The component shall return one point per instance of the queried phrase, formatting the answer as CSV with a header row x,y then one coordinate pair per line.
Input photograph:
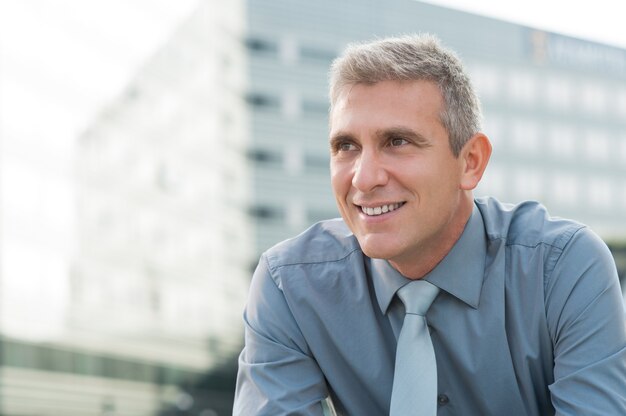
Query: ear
x,y
475,156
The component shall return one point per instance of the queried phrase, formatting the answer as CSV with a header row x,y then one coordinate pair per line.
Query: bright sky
x,y
74,55
597,20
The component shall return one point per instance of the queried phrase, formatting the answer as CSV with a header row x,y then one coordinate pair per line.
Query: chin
x,y
377,251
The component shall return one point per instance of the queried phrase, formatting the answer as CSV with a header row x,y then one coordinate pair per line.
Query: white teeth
x,y
380,210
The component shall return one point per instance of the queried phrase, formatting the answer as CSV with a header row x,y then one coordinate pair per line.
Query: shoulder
x,y
314,271
527,224
564,249
324,242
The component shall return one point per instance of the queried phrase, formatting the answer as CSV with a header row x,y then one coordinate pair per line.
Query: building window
x,y
529,183
620,102
565,188
167,177
522,87
593,98
599,192
293,160
597,146
296,215
558,93
487,80
23,355
258,45
562,141
260,100
289,51
525,135
622,150
263,156
494,181
492,126
264,212
291,104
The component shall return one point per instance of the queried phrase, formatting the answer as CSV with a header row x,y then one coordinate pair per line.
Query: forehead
x,y
386,102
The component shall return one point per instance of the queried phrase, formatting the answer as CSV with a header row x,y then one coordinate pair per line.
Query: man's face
x,y
395,179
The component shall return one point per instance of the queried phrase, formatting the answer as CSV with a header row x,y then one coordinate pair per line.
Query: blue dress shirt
x,y
529,321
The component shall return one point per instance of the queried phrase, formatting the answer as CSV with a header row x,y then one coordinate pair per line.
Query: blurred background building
x,y
126,253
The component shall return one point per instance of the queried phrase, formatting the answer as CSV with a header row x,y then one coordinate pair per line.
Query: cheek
x,y
340,178
440,174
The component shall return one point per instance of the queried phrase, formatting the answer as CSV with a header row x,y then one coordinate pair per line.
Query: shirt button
x,y
442,400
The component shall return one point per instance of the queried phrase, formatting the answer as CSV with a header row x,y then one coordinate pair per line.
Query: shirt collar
x,y
460,273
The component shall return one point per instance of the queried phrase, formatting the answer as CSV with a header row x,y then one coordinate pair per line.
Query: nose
x,y
369,172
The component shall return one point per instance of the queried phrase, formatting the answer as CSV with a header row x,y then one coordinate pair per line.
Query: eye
x,y
345,147
398,141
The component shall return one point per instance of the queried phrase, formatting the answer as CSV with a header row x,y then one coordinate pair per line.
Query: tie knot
x,y
417,296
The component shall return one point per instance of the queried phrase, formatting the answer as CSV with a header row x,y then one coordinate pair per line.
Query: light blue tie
x,y
415,377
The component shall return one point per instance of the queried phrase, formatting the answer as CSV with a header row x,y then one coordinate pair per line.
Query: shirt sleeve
x,y
585,313
277,374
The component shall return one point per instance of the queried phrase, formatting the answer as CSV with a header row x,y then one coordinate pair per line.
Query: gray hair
x,y
413,58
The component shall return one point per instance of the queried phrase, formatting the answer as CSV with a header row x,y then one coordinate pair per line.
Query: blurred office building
x,y
218,150
137,291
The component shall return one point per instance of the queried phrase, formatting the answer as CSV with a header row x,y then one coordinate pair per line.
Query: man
x,y
527,316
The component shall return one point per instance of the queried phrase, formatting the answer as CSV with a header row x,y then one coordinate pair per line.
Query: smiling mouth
x,y
383,209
